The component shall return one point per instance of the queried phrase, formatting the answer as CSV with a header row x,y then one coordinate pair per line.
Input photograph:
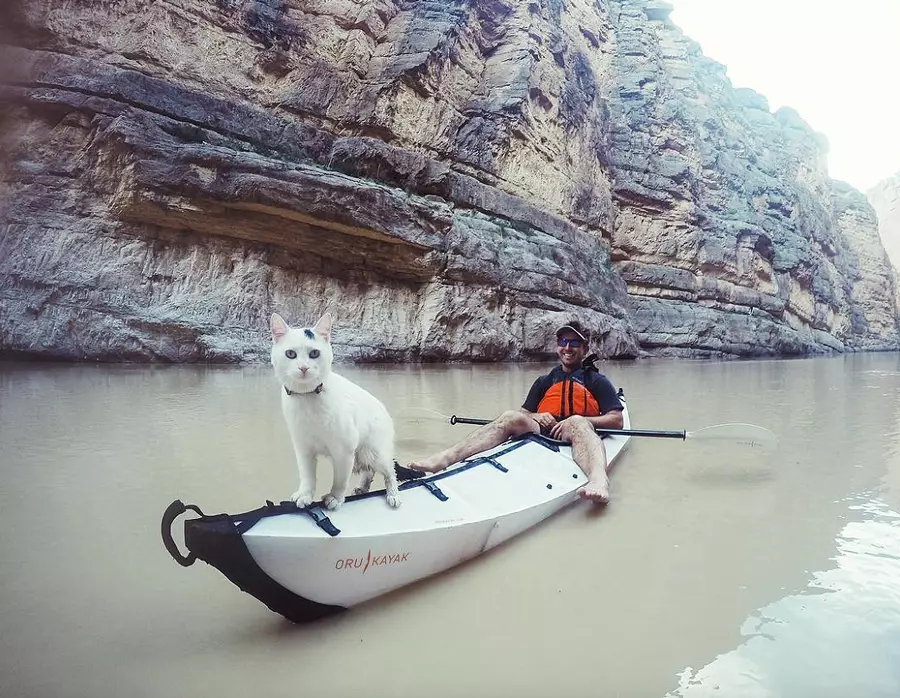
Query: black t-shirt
x,y
597,384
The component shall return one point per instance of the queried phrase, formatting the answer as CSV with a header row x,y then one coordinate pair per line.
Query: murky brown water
x,y
715,570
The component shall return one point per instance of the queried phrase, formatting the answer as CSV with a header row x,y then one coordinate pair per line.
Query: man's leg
x,y
510,423
589,453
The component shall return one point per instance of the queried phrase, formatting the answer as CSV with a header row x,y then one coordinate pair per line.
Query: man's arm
x,y
608,420
607,398
534,396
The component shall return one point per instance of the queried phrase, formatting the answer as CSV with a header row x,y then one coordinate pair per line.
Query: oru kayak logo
x,y
370,560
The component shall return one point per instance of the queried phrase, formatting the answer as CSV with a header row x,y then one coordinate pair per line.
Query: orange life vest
x,y
567,397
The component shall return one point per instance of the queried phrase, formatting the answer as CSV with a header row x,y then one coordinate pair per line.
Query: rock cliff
x,y
885,199
452,179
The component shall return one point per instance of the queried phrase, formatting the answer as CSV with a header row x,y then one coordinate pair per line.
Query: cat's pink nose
x,y
304,369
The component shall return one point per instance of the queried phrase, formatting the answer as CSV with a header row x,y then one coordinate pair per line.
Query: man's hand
x,y
563,430
544,419
557,431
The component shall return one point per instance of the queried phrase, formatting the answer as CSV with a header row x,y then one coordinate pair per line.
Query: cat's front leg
x,y
306,492
343,468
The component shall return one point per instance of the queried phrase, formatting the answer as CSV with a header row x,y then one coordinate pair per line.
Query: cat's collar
x,y
316,391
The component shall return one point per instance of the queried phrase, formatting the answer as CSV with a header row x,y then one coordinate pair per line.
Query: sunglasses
x,y
568,342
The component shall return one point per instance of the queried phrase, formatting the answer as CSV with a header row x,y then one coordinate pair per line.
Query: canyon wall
x,y
451,179
885,199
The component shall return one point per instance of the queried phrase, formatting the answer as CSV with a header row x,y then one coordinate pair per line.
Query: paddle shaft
x,y
622,432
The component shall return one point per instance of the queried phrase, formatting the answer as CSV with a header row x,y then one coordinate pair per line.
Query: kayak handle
x,y
174,510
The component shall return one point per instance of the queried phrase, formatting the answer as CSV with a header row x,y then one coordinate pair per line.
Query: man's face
x,y
571,350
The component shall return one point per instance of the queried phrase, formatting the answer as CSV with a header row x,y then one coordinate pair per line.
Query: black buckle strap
x,y
322,521
497,464
488,459
435,490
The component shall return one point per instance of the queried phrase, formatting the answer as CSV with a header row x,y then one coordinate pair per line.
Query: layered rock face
x,y
729,232
451,179
885,199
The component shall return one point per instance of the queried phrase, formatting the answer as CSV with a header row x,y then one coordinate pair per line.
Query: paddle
x,y
749,435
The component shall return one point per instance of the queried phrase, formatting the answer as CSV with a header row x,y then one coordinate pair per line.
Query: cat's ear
x,y
279,327
323,326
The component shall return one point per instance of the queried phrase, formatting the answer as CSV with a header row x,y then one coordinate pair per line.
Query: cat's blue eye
x,y
291,354
314,354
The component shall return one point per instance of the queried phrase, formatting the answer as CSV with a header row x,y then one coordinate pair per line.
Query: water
x,y
716,570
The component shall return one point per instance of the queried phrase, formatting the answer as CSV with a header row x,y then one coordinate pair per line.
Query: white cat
x,y
327,414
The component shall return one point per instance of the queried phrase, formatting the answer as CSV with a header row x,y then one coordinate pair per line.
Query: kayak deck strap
x,y
435,490
545,441
493,461
322,521
497,464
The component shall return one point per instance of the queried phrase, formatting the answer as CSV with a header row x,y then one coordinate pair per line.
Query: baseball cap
x,y
575,326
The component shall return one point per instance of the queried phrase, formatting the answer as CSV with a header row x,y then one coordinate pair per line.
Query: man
x,y
567,404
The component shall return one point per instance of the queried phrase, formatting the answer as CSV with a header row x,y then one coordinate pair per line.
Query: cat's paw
x,y
332,502
393,500
302,499
360,490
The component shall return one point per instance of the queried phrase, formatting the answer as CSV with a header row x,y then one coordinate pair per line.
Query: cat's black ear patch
x,y
310,334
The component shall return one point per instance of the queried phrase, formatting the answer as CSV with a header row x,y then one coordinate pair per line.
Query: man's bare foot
x,y
432,464
597,492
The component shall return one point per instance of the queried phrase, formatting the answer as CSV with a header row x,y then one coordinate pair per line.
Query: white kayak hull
x,y
310,563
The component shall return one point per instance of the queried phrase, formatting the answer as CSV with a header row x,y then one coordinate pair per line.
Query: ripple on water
x,y
840,637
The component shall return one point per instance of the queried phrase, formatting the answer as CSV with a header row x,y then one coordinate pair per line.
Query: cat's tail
x,y
404,473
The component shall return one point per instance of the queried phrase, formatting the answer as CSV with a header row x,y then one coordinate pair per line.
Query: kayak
x,y
309,563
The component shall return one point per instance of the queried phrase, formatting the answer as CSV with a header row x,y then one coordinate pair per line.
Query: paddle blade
x,y
749,435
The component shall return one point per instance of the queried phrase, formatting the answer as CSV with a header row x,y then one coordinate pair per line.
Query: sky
x,y
837,62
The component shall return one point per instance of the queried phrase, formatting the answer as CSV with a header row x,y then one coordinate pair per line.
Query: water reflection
x,y
821,642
